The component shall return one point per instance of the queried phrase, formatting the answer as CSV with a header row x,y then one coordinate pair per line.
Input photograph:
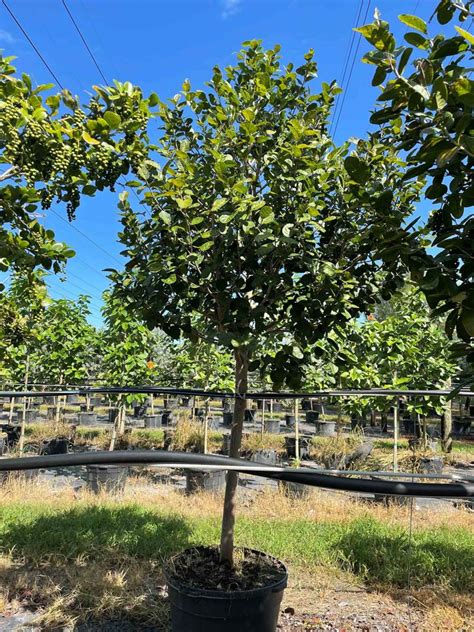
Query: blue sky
x,y
159,43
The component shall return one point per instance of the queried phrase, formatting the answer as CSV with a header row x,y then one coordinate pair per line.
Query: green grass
x,y
376,552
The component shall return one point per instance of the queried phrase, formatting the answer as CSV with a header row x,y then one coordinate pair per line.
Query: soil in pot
x,y
272,426
87,419
207,596
108,478
84,409
152,421
208,480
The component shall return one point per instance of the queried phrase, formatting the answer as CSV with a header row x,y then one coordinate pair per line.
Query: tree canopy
x,y
426,111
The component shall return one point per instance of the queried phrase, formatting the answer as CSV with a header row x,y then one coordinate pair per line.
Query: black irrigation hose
x,y
161,390
201,461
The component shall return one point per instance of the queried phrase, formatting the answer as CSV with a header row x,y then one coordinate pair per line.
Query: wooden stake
x,y
297,432
395,435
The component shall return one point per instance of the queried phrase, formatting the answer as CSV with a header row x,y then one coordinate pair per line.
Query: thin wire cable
x,y
94,59
32,44
350,72
78,230
85,43
346,63
35,48
82,289
76,276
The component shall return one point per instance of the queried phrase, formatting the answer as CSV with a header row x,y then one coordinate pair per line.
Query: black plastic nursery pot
x,y
87,419
312,416
166,417
139,410
433,465
411,427
152,421
196,609
272,426
358,422
30,415
268,457
294,490
461,427
113,414
212,424
290,421
205,480
51,413
304,445
326,428
72,399
249,415
228,419
108,478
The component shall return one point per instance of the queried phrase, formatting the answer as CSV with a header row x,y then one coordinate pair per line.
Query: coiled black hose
x,y
203,461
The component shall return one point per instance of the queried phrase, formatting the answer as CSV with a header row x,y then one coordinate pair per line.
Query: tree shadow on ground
x,y
387,558
92,564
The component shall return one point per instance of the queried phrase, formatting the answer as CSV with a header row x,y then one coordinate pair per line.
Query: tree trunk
x,y
21,441
447,424
228,517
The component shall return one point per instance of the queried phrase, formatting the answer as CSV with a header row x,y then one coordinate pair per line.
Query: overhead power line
x,y
348,56
351,71
32,44
78,230
85,42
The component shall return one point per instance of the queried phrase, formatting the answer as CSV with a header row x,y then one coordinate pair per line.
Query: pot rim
x,y
207,593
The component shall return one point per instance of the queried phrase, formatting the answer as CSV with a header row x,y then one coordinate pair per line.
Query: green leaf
x,y
379,76
467,317
415,39
357,169
465,34
89,139
219,203
413,22
113,119
404,57
165,216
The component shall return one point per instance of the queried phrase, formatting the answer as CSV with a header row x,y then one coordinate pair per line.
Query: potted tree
x,y
256,233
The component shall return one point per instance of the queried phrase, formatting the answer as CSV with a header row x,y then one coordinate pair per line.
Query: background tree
x,y
257,231
127,346
427,101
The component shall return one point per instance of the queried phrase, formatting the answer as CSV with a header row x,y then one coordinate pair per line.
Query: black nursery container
x,y
290,421
312,416
207,480
202,610
152,421
228,418
166,417
249,415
